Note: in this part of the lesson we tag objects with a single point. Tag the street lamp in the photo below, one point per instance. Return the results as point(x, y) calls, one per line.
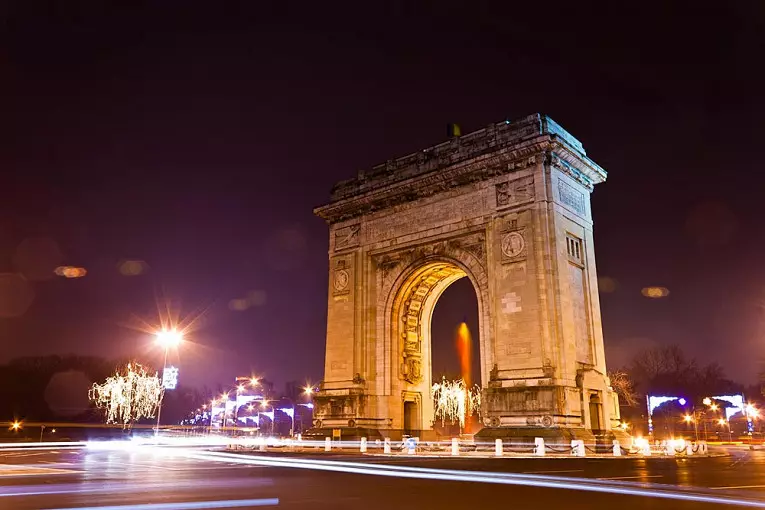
point(724, 422)
point(166, 338)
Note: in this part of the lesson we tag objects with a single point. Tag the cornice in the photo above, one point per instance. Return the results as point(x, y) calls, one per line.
point(413, 177)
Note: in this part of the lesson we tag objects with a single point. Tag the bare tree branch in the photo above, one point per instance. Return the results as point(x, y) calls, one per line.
point(622, 385)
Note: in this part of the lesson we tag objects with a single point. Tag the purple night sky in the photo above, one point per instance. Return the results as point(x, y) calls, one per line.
point(198, 138)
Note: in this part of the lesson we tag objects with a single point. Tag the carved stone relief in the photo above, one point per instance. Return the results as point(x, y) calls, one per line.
point(513, 245)
point(341, 278)
point(412, 370)
point(347, 237)
point(516, 192)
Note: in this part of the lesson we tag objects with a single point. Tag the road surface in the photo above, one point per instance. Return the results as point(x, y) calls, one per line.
point(164, 478)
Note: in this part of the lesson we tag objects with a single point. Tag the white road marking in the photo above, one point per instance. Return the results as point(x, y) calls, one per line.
point(739, 487)
point(187, 505)
point(558, 471)
point(628, 477)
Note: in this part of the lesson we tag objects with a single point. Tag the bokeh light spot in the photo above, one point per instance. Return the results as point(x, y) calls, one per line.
point(67, 393)
point(238, 305)
point(16, 295)
point(71, 272)
point(655, 292)
point(36, 258)
point(607, 285)
point(256, 297)
point(132, 267)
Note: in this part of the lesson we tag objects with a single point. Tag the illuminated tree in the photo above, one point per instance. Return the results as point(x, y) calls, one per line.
point(622, 385)
point(453, 402)
point(129, 395)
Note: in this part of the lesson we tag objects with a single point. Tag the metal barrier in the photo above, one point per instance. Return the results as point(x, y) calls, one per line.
point(462, 447)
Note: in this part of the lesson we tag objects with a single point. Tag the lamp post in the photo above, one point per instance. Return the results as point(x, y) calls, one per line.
point(166, 338)
point(308, 391)
point(723, 422)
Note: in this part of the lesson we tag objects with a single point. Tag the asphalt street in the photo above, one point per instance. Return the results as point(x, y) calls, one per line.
point(164, 478)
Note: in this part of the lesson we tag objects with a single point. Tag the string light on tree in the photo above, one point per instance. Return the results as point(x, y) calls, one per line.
point(454, 402)
point(129, 395)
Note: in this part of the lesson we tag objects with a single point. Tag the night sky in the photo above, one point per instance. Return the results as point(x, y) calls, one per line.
point(198, 137)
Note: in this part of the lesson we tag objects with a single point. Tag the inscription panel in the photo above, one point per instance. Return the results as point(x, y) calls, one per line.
point(425, 217)
point(571, 197)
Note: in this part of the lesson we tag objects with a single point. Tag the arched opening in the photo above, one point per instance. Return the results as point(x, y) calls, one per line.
point(458, 304)
point(414, 309)
point(454, 330)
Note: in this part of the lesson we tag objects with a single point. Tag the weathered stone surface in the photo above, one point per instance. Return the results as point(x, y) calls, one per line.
point(508, 208)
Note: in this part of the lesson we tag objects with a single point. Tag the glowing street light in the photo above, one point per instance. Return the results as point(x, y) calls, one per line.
point(308, 390)
point(721, 421)
point(707, 401)
point(166, 338)
point(169, 338)
point(688, 418)
point(16, 426)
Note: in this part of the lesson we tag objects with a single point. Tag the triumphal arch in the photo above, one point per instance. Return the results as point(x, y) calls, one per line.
point(507, 207)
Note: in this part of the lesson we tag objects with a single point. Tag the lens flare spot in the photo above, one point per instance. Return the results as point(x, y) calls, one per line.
point(655, 292)
point(36, 258)
point(607, 285)
point(16, 295)
point(239, 305)
point(132, 267)
point(70, 271)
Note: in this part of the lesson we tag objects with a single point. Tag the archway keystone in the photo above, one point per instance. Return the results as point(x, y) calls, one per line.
point(507, 207)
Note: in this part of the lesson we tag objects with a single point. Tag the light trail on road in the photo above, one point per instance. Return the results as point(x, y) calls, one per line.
point(188, 505)
point(660, 491)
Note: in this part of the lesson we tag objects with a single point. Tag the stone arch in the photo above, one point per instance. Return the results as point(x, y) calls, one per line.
point(412, 290)
point(502, 205)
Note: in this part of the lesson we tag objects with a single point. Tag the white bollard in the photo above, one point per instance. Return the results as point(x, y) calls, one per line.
point(689, 449)
point(498, 447)
point(669, 447)
point(703, 448)
point(539, 446)
point(386, 446)
point(455, 446)
point(327, 444)
point(262, 447)
point(363, 446)
point(646, 450)
point(577, 447)
point(410, 446)
point(617, 448)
